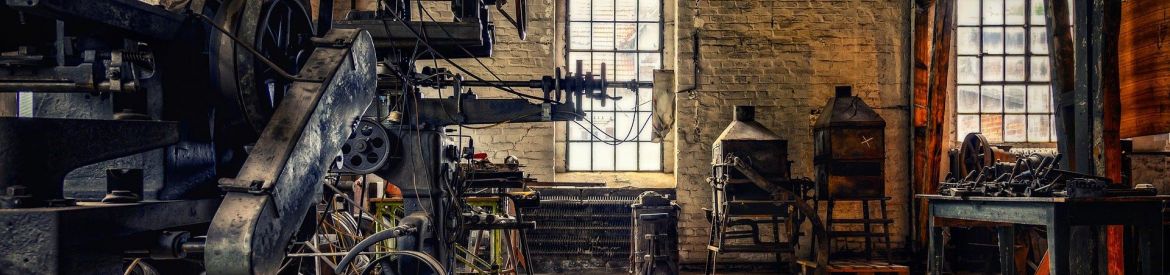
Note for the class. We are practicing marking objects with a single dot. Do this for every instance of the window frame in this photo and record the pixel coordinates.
(638, 109)
(981, 55)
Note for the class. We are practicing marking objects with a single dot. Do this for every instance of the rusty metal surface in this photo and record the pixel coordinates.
(268, 199)
(849, 149)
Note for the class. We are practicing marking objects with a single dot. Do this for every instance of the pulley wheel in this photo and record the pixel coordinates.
(368, 148)
(975, 153)
(280, 30)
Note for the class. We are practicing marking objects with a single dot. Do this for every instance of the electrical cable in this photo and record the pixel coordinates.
(394, 232)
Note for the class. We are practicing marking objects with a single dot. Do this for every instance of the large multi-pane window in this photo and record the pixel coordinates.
(1003, 72)
(626, 35)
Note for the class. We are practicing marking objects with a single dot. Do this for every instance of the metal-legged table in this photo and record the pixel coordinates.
(1143, 214)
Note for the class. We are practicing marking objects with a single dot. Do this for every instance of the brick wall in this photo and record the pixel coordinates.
(785, 57)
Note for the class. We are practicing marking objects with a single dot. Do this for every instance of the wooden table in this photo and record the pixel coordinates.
(1144, 214)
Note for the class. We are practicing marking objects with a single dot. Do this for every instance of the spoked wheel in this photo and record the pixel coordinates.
(975, 153)
(368, 148)
(280, 30)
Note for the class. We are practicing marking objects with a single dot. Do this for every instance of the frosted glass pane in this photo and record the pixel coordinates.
(579, 156)
(1039, 99)
(993, 40)
(626, 127)
(650, 156)
(1015, 12)
(603, 157)
(968, 70)
(645, 99)
(1015, 129)
(604, 127)
(968, 40)
(603, 10)
(649, 10)
(992, 12)
(1015, 68)
(1013, 97)
(626, 10)
(603, 36)
(992, 127)
(626, 36)
(1037, 13)
(1039, 127)
(1014, 40)
(645, 120)
(968, 11)
(647, 63)
(993, 68)
(1039, 69)
(579, 10)
(627, 156)
(966, 124)
(1039, 40)
(968, 99)
(578, 132)
(992, 100)
(625, 68)
(602, 57)
(579, 35)
(583, 56)
(648, 36)
(629, 99)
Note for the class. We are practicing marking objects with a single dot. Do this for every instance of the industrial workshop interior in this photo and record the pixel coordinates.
(641, 137)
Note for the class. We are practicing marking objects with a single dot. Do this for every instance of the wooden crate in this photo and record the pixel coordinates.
(855, 267)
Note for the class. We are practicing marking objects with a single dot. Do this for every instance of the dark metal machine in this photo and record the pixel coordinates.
(655, 235)
(752, 190)
(849, 149)
(204, 126)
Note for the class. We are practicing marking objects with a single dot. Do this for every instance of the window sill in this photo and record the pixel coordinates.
(647, 179)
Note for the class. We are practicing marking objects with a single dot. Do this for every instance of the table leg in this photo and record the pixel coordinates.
(1150, 238)
(1007, 248)
(1058, 246)
(934, 258)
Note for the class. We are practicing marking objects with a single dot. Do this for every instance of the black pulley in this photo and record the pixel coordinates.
(368, 148)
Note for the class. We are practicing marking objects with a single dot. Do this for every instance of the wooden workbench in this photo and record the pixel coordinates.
(1144, 214)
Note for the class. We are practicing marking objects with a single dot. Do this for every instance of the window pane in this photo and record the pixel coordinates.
(968, 40)
(647, 63)
(579, 155)
(650, 156)
(629, 99)
(645, 121)
(603, 36)
(992, 127)
(966, 124)
(626, 125)
(627, 36)
(968, 11)
(1014, 40)
(993, 68)
(1039, 68)
(992, 12)
(1014, 12)
(603, 125)
(626, 10)
(1014, 96)
(993, 40)
(1037, 12)
(648, 36)
(579, 10)
(968, 99)
(603, 57)
(625, 68)
(649, 11)
(968, 70)
(578, 133)
(992, 100)
(603, 10)
(579, 35)
(627, 156)
(603, 157)
(1039, 127)
(645, 99)
(1014, 128)
(1039, 40)
(1039, 99)
(1016, 68)
(583, 56)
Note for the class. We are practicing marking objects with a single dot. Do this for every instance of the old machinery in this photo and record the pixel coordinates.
(751, 187)
(849, 149)
(654, 235)
(191, 129)
(982, 169)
